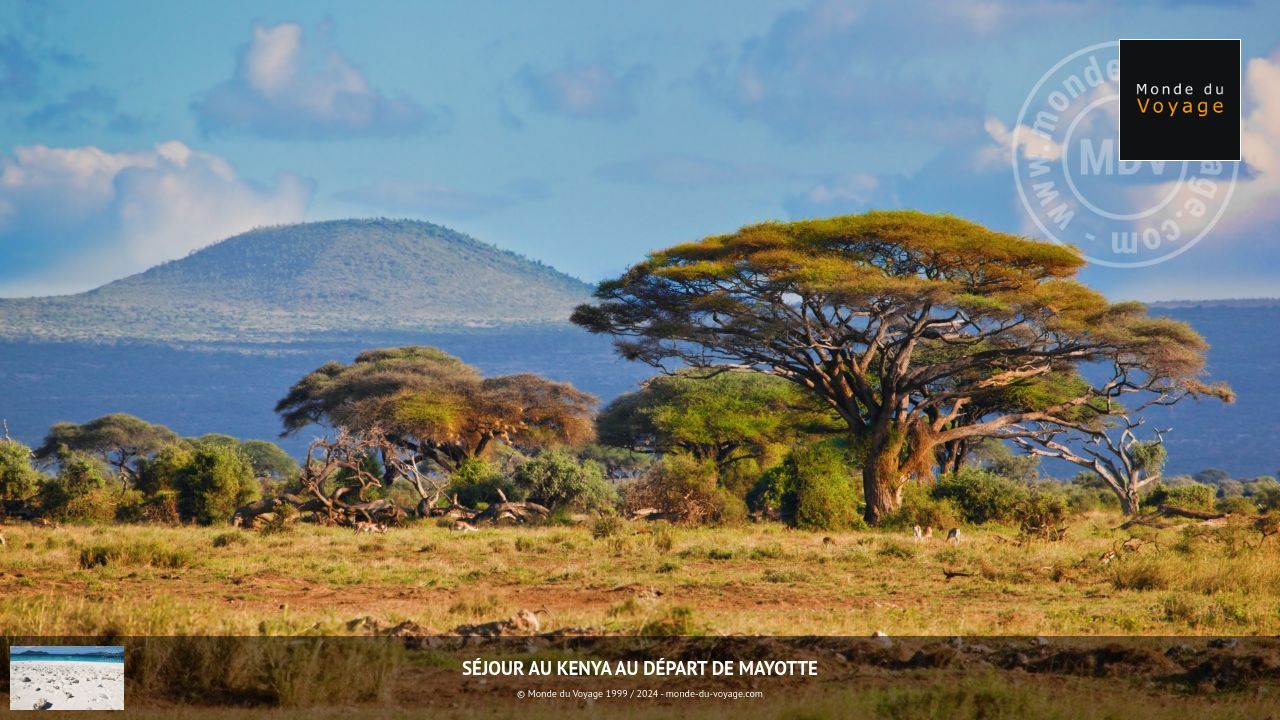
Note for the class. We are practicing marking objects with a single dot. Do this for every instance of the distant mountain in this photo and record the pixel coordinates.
(294, 280)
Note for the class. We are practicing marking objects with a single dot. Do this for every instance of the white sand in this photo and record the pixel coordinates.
(67, 685)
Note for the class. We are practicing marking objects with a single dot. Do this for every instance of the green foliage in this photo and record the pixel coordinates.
(1042, 514)
(607, 526)
(292, 281)
(160, 472)
(79, 492)
(995, 455)
(1236, 505)
(18, 479)
(1193, 496)
(1266, 495)
(980, 495)
(477, 481)
(555, 478)
(684, 490)
(118, 438)
(732, 419)
(218, 480)
(813, 488)
(270, 460)
(920, 507)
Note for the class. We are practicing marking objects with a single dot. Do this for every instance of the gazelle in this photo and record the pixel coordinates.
(953, 536)
(368, 527)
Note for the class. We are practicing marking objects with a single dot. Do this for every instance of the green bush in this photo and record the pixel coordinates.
(1266, 495)
(1236, 505)
(680, 488)
(1192, 496)
(981, 496)
(18, 480)
(607, 526)
(218, 480)
(476, 481)
(920, 507)
(93, 507)
(814, 488)
(160, 473)
(557, 479)
(1042, 514)
(78, 493)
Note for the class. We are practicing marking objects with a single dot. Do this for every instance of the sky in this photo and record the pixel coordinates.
(583, 134)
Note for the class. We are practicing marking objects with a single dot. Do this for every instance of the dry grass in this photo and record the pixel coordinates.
(758, 579)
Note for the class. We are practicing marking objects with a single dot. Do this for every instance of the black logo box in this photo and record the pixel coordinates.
(1183, 64)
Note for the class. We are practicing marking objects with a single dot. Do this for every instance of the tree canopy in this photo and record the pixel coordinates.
(119, 439)
(724, 418)
(918, 330)
(436, 407)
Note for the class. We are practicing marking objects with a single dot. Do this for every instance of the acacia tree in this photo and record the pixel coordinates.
(435, 410)
(119, 439)
(724, 418)
(902, 322)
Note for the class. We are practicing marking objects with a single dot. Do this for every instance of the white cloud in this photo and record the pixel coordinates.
(288, 88)
(584, 90)
(74, 218)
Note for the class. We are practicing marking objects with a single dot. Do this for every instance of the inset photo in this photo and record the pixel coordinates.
(66, 677)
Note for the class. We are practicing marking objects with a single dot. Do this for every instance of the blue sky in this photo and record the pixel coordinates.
(579, 133)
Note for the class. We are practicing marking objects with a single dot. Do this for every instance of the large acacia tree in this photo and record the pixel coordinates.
(919, 330)
(435, 410)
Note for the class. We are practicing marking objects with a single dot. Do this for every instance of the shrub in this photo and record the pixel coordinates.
(135, 552)
(920, 507)
(981, 496)
(160, 473)
(1266, 495)
(18, 480)
(218, 480)
(1192, 496)
(91, 508)
(1236, 505)
(557, 479)
(476, 481)
(680, 488)
(1042, 514)
(813, 488)
(79, 492)
(607, 526)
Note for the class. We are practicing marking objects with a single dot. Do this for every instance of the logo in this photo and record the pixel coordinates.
(1180, 100)
(1077, 190)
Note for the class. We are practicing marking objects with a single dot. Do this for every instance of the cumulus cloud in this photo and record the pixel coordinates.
(74, 218)
(287, 86)
(841, 68)
(592, 91)
(681, 169)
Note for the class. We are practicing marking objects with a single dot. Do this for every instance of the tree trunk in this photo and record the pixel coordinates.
(882, 476)
(1129, 501)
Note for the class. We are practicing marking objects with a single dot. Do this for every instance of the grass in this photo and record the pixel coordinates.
(755, 579)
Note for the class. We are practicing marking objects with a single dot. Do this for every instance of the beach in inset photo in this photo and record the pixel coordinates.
(73, 677)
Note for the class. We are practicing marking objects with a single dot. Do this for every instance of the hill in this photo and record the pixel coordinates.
(291, 281)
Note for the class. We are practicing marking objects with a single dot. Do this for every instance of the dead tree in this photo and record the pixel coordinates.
(1126, 464)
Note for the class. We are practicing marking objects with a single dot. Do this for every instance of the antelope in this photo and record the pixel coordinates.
(928, 532)
(953, 536)
(462, 526)
(368, 527)
(917, 534)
